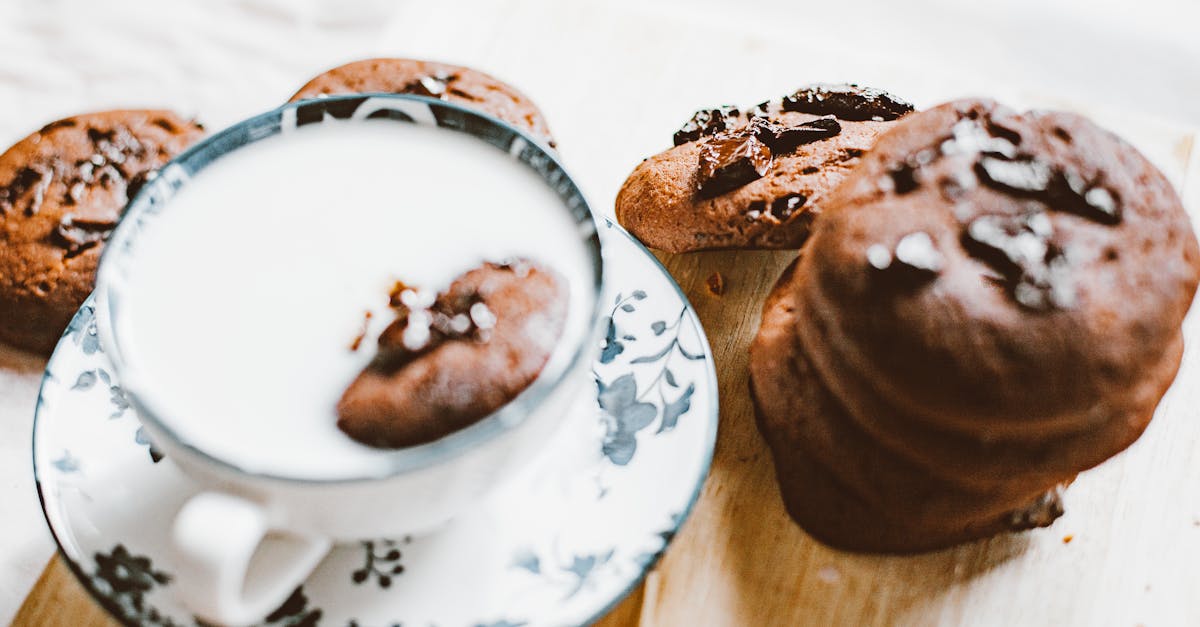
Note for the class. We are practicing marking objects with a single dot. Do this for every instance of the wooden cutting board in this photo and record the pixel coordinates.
(1127, 552)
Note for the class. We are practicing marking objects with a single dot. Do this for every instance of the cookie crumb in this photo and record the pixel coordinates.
(716, 284)
(362, 334)
(1067, 538)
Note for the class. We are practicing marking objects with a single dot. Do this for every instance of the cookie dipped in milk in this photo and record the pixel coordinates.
(426, 267)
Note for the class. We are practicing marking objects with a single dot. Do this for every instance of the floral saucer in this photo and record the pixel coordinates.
(559, 545)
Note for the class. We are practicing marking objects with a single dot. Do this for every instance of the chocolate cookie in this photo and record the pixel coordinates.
(841, 484)
(62, 191)
(454, 83)
(756, 178)
(446, 364)
(991, 304)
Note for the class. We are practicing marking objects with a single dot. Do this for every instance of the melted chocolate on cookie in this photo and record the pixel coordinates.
(437, 85)
(782, 139)
(451, 360)
(730, 160)
(707, 122)
(1021, 248)
(29, 185)
(734, 158)
(847, 102)
(915, 258)
(423, 324)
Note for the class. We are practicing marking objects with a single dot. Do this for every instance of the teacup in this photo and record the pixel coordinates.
(271, 504)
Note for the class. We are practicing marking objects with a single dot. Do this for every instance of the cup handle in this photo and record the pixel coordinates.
(215, 535)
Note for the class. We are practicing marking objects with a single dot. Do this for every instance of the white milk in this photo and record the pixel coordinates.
(249, 289)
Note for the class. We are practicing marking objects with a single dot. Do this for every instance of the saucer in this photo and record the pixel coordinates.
(560, 544)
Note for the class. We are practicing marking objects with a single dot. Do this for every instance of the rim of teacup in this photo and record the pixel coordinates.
(527, 150)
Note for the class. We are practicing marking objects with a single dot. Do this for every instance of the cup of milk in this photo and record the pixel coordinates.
(230, 293)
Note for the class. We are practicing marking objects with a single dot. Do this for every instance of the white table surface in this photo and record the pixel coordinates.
(614, 77)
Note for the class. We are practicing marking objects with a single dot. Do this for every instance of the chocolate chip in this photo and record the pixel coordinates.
(1020, 249)
(1103, 202)
(954, 186)
(760, 110)
(76, 234)
(482, 316)
(729, 161)
(96, 135)
(31, 183)
(1070, 192)
(68, 123)
(1062, 188)
(904, 178)
(1028, 176)
(970, 137)
(879, 257)
(424, 321)
(784, 206)
(916, 257)
(904, 175)
(996, 126)
(707, 122)
(783, 139)
(916, 250)
(114, 146)
(139, 181)
(454, 91)
(75, 193)
(109, 176)
(847, 102)
(432, 85)
(404, 340)
(756, 210)
(95, 225)
(1007, 243)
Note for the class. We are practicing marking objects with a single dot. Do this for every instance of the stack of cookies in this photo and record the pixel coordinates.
(986, 303)
(991, 305)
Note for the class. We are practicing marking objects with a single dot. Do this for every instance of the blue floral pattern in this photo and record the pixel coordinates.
(381, 562)
(652, 374)
(124, 579)
(626, 408)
